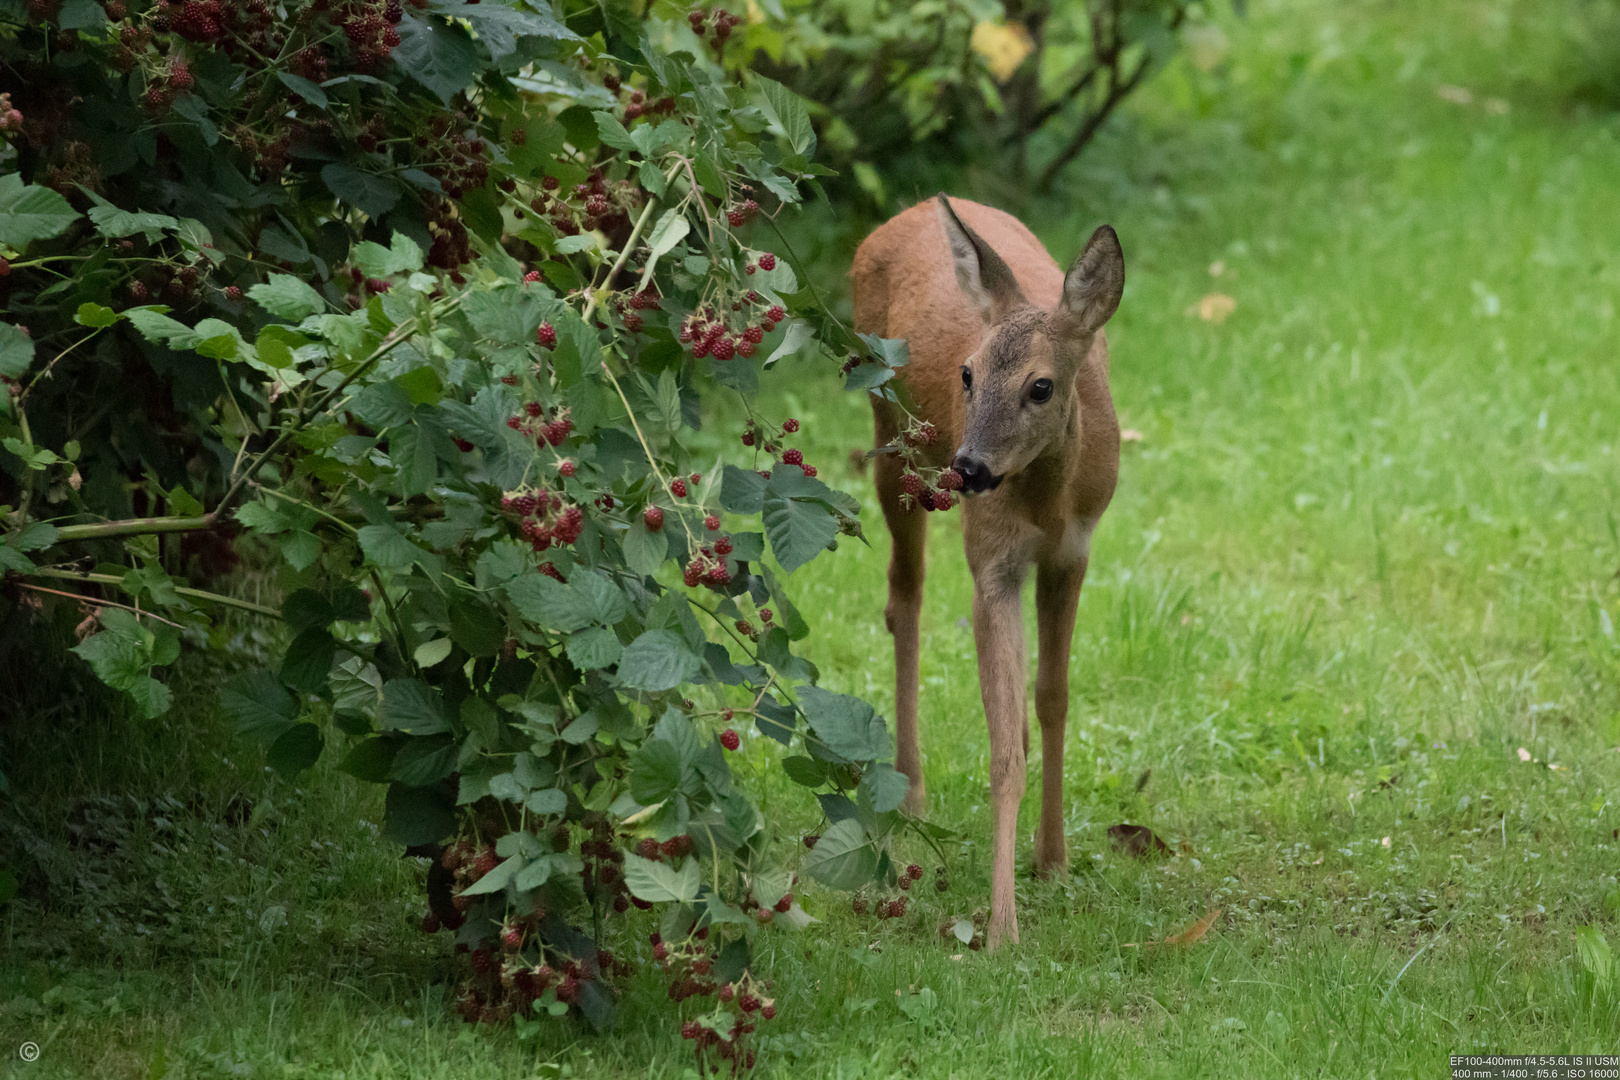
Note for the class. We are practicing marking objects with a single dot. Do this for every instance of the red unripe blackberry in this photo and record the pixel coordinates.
(810, 471)
(654, 518)
(727, 992)
(767, 261)
(911, 483)
(232, 292)
(810, 840)
(696, 478)
(790, 425)
(768, 1010)
(547, 335)
(722, 546)
(693, 574)
(632, 323)
(745, 628)
(749, 269)
(748, 1002)
(690, 1029)
(776, 314)
(730, 739)
(719, 575)
(723, 348)
(792, 457)
(763, 915)
(486, 862)
(566, 468)
(746, 348)
(905, 884)
(767, 614)
(532, 275)
(859, 905)
(786, 903)
(648, 848)
(512, 937)
(483, 961)
(748, 438)
(950, 480)
(180, 75)
(376, 285)
(430, 923)
(677, 487)
(567, 990)
(915, 872)
(514, 422)
(897, 907)
(533, 408)
(943, 500)
(735, 218)
(660, 952)
(712, 523)
(451, 859)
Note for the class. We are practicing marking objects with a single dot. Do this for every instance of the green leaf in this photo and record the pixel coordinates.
(414, 706)
(81, 15)
(475, 628)
(656, 772)
(402, 256)
(387, 546)
(114, 223)
(671, 229)
(496, 879)
(260, 704)
(788, 112)
(288, 297)
(742, 491)
(305, 608)
(31, 213)
(798, 334)
(413, 815)
(806, 771)
(885, 787)
(297, 749)
(843, 858)
(657, 660)
(16, 351)
(303, 88)
(660, 883)
(371, 759)
(613, 133)
(799, 529)
(371, 193)
(846, 725)
(440, 57)
(309, 660)
(645, 550)
(594, 647)
(1595, 955)
(547, 802)
(550, 603)
(421, 762)
(95, 315)
(34, 536)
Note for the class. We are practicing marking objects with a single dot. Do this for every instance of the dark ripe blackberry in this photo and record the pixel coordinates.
(393, 11)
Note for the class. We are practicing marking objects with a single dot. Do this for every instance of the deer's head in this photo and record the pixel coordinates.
(1019, 385)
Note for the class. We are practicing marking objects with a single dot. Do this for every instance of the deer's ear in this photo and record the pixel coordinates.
(1094, 284)
(983, 277)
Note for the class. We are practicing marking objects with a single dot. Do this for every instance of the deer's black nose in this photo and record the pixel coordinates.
(976, 475)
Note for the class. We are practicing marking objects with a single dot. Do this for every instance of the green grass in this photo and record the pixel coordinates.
(1365, 552)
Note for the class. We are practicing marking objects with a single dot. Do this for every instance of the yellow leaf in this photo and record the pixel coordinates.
(1196, 930)
(1214, 308)
(1003, 46)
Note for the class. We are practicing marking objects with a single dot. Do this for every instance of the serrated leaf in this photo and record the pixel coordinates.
(496, 879)
(789, 113)
(670, 230)
(260, 704)
(660, 883)
(95, 315)
(645, 550)
(657, 660)
(303, 88)
(845, 725)
(885, 787)
(371, 193)
(16, 351)
(387, 546)
(441, 57)
(31, 212)
(593, 648)
(797, 335)
(798, 529)
(295, 750)
(844, 858)
(402, 256)
(414, 706)
(287, 297)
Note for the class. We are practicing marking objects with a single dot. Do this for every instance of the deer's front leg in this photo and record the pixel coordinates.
(998, 633)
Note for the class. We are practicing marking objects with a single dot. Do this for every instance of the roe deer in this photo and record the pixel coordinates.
(1009, 363)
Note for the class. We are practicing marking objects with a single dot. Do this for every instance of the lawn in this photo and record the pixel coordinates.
(1348, 645)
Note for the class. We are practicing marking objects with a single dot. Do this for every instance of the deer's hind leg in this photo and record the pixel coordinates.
(908, 531)
(1057, 595)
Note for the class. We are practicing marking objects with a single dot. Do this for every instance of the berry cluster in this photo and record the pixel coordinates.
(10, 119)
(460, 162)
(595, 204)
(724, 1031)
(714, 333)
(553, 431)
(709, 566)
(947, 930)
(914, 490)
(544, 517)
(604, 873)
(718, 22)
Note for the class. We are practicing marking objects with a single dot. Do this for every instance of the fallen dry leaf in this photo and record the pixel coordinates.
(1195, 931)
(1002, 45)
(1214, 308)
(1137, 840)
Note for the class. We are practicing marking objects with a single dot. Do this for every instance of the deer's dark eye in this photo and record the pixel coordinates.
(967, 377)
(1041, 391)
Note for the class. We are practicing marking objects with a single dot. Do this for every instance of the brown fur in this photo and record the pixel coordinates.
(976, 288)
